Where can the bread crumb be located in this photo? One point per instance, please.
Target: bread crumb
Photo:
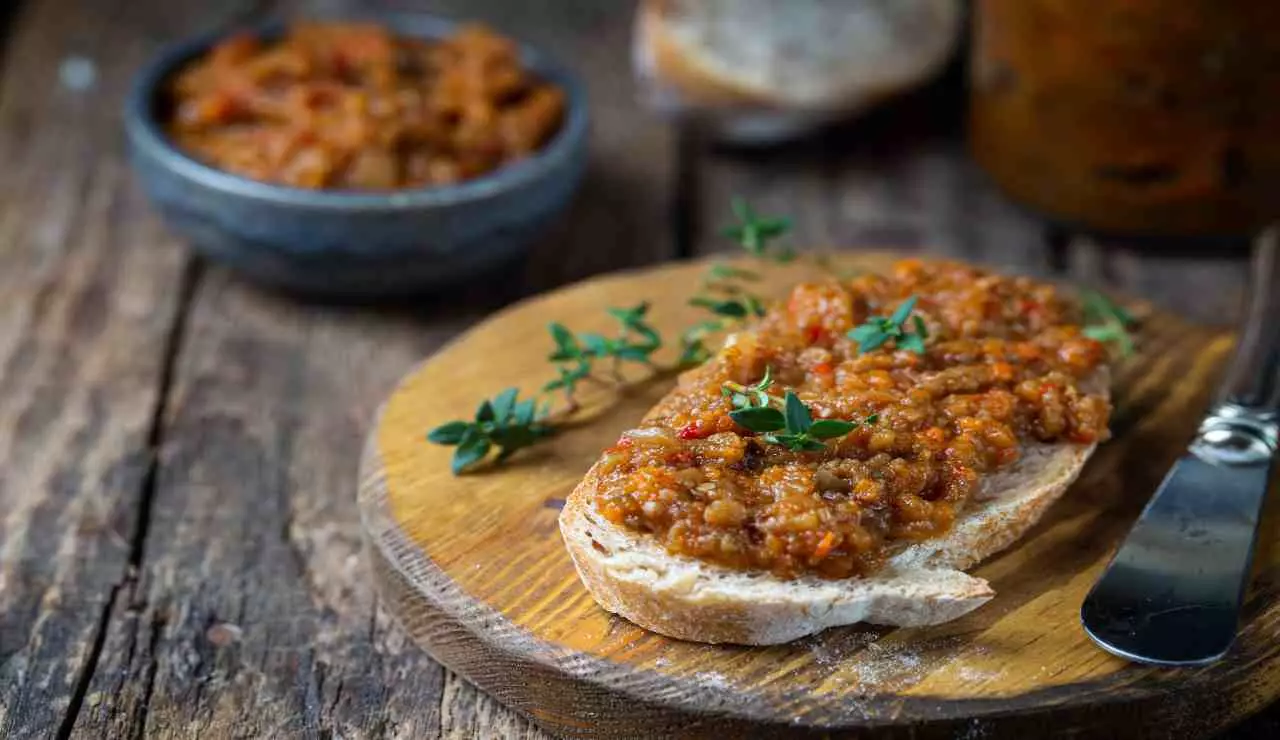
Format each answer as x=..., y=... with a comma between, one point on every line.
x=714, y=679
x=829, y=650
x=975, y=675
x=888, y=663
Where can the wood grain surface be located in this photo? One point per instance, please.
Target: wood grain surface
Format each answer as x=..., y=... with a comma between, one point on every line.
x=180, y=545
x=476, y=571
x=267, y=407
x=90, y=297
x=901, y=177
x=154, y=410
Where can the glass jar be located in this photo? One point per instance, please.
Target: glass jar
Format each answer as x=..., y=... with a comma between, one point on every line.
x=1144, y=117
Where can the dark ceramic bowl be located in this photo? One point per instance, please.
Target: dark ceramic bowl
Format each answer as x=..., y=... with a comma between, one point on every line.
x=355, y=244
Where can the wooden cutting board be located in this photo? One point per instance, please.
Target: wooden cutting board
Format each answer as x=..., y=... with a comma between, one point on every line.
x=475, y=570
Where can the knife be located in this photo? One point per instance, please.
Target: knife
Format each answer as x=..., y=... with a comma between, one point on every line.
x=1172, y=594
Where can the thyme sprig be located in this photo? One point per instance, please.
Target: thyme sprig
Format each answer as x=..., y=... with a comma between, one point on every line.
x=509, y=424
x=785, y=421
x=724, y=292
x=752, y=396
x=722, y=272
x=756, y=233
x=575, y=355
x=1107, y=322
x=793, y=425
x=505, y=422
x=878, y=330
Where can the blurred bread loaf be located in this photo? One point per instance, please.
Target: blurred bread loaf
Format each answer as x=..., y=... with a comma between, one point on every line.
x=759, y=71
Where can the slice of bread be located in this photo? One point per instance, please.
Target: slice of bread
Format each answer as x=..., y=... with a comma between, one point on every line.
x=763, y=70
x=632, y=575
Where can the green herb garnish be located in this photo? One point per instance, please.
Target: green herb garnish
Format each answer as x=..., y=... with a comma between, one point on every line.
x=736, y=308
x=878, y=330
x=719, y=272
x=792, y=426
x=509, y=424
x=750, y=396
x=634, y=323
x=693, y=347
x=569, y=375
x=722, y=291
x=575, y=354
x=755, y=232
x=1107, y=322
x=783, y=421
x=504, y=422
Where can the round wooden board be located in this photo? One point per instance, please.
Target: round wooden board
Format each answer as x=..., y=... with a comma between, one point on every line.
x=474, y=568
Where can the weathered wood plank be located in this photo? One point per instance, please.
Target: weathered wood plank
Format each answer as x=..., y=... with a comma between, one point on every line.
x=895, y=180
x=253, y=614
x=89, y=291
x=1206, y=284
x=467, y=713
x=901, y=179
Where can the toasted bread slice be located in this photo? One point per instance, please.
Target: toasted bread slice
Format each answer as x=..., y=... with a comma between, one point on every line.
x=632, y=575
x=764, y=70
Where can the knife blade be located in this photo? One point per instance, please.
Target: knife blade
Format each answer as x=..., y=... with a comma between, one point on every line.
x=1172, y=593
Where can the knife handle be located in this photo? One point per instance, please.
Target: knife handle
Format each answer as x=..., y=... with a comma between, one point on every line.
x=1252, y=380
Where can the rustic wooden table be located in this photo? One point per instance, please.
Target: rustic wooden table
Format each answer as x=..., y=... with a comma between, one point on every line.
x=179, y=548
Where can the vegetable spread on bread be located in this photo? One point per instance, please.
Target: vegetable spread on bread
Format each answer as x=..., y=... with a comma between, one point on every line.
x=843, y=457
x=928, y=379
